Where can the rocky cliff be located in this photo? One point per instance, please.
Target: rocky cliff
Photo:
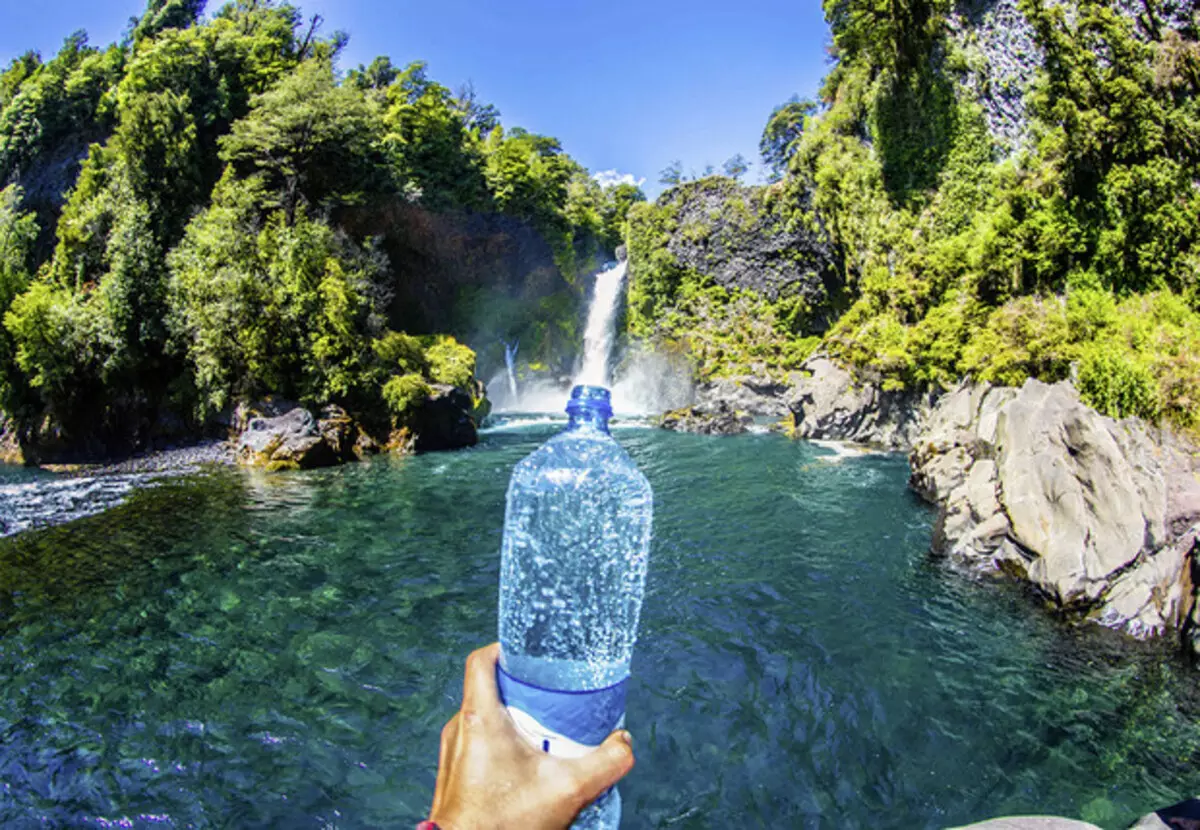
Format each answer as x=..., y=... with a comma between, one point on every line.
x=1003, y=55
x=1102, y=517
x=739, y=277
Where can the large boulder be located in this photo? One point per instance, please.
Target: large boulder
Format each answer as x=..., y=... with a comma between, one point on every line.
x=280, y=435
x=828, y=402
x=1034, y=483
x=445, y=420
x=1030, y=823
x=291, y=441
x=754, y=395
x=719, y=419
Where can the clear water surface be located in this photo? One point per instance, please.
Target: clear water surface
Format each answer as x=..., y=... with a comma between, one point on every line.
x=245, y=650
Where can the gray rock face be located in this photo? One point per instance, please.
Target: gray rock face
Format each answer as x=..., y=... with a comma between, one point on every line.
x=1165, y=14
x=720, y=419
x=827, y=402
x=1036, y=484
x=728, y=233
x=1003, y=54
x=757, y=396
x=1004, y=57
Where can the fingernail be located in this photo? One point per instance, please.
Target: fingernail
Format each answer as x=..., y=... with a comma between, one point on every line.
x=627, y=737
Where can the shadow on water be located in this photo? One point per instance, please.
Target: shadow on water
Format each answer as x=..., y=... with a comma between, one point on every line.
x=282, y=651
x=73, y=570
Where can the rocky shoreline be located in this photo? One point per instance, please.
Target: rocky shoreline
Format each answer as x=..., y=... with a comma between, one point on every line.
x=1101, y=518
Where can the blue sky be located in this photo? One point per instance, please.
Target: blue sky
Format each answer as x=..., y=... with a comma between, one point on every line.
x=625, y=85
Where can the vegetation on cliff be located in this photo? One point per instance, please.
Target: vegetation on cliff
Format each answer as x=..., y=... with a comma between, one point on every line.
x=1077, y=252
x=720, y=272
x=239, y=219
x=1080, y=249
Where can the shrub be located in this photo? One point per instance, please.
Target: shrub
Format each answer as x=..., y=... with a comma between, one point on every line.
x=399, y=350
x=450, y=361
x=1116, y=385
x=1022, y=339
x=401, y=392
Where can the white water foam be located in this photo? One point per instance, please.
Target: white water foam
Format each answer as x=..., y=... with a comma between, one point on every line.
x=54, y=501
x=842, y=450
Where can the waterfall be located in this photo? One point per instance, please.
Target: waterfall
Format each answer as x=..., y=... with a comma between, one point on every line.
x=599, y=335
x=510, y=360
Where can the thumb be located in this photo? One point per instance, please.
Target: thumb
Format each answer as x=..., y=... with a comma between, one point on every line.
x=606, y=765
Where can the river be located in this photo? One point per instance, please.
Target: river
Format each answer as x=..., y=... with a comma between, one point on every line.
x=243, y=649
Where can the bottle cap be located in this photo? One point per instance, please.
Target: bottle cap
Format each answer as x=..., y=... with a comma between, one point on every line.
x=594, y=399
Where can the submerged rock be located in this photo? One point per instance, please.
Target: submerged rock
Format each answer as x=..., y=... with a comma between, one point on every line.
x=1093, y=512
x=828, y=402
x=719, y=419
x=1182, y=816
x=1030, y=823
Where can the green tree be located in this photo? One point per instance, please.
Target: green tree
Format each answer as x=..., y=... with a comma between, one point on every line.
x=18, y=233
x=782, y=133
x=315, y=143
x=66, y=100
x=672, y=174
x=436, y=154
x=283, y=305
x=12, y=78
x=735, y=167
x=378, y=76
x=479, y=117
x=167, y=14
x=618, y=199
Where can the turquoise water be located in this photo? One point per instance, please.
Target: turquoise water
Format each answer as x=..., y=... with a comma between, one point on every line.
x=242, y=650
x=15, y=474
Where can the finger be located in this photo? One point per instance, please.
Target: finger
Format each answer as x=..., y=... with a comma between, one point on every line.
x=449, y=733
x=605, y=766
x=480, y=694
x=446, y=757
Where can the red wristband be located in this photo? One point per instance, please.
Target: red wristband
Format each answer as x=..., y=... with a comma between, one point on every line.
x=427, y=825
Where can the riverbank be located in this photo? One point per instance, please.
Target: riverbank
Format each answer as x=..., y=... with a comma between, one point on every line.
x=56, y=494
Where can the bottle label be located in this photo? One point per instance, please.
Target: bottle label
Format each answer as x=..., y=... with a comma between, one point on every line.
x=562, y=723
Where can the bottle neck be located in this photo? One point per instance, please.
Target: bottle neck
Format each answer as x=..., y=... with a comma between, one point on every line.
x=588, y=420
x=589, y=409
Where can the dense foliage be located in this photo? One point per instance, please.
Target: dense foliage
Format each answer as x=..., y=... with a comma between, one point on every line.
x=207, y=248
x=1075, y=253
x=1079, y=250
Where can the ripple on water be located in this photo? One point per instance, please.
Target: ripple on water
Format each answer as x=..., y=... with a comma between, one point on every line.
x=251, y=650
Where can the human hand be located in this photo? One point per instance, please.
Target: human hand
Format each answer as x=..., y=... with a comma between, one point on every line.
x=490, y=777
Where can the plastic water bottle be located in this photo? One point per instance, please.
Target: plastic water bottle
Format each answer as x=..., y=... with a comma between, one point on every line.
x=573, y=573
